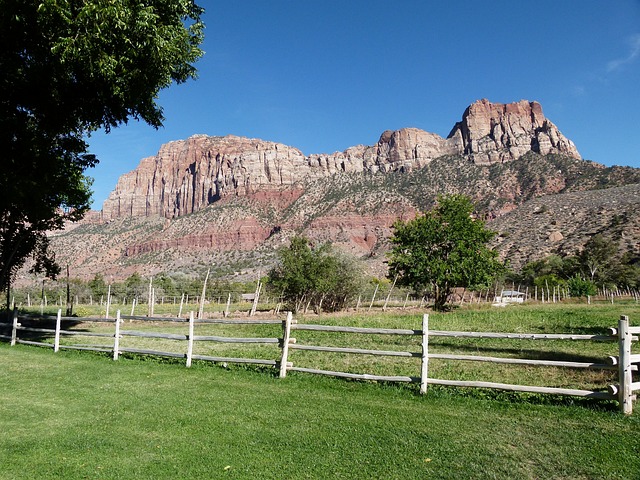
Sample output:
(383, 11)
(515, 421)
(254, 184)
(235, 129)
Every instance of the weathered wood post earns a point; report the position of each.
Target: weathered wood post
(386, 301)
(256, 298)
(228, 307)
(14, 330)
(56, 338)
(106, 315)
(116, 337)
(625, 397)
(190, 339)
(204, 294)
(286, 335)
(373, 298)
(424, 364)
(149, 297)
(181, 304)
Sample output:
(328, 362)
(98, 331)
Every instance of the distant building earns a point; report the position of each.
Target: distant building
(509, 296)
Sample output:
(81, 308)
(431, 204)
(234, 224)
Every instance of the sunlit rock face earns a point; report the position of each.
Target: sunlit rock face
(187, 175)
(495, 132)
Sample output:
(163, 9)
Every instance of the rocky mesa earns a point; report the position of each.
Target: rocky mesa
(231, 201)
(187, 175)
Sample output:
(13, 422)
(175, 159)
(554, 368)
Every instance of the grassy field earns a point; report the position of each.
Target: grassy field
(564, 319)
(81, 415)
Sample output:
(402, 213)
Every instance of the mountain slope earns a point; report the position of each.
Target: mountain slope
(356, 211)
(228, 203)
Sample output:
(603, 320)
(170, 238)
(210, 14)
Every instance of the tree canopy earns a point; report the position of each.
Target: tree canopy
(443, 249)
(319, 277)
(68, 68)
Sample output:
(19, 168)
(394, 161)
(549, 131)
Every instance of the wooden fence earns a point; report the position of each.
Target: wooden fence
(625, 362)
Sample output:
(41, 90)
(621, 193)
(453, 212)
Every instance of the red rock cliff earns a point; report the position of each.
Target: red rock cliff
(187, 175)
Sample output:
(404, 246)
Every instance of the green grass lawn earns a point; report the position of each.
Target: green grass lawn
(81, 415)
(572, 318)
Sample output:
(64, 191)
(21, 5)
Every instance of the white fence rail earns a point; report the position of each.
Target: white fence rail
(626, 363)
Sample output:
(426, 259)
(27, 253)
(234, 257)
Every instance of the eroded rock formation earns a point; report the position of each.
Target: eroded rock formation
(495, 132)
(187, 175)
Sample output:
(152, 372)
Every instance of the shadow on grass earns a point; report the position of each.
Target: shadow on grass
(46, 322)
(526, 354)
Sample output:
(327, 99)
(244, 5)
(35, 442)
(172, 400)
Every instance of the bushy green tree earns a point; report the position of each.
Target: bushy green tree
(135, 286)
(549, 280)
(443, 249)
(319, 277)
(68, 68)
(553, 268)
(98, 286)
(597, 257)
(164, 285)
(581, 287)
(627, 275)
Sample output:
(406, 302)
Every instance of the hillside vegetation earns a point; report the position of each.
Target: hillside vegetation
(538, 204)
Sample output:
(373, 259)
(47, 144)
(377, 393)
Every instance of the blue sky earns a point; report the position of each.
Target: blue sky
(325, 75)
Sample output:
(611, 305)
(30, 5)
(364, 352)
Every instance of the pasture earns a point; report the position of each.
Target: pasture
(81, 415)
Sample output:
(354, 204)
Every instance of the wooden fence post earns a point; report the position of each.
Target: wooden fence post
(386, 301)
(286, 328)
(56, 340)
(625, 397)
(226, 310)
(255, 299)
(373, 298)
(116, 337)
(181, 304)
(14, 330)
(190, 339)
(204, 295)
(424, 364)
(106, 315)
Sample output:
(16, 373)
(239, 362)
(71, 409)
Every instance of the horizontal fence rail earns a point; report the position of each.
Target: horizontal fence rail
(612, 363)
(625, 363)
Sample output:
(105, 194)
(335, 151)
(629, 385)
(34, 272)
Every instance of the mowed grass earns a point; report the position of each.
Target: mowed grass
(82, 415)
(539, 319)
(78, 415)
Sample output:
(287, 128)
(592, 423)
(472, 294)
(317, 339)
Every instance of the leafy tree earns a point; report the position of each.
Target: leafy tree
(549, 280)
(443, 249)
(320, 277)
(581, 287)
(98, 286)
(135, 286)
(552, 268)
(627, 275)
(69, 68)
(164, 285)
(597, 256)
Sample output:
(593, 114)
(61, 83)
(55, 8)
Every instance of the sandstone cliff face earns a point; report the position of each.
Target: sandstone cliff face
(494, 132)
(568, 201)
(186, 176)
